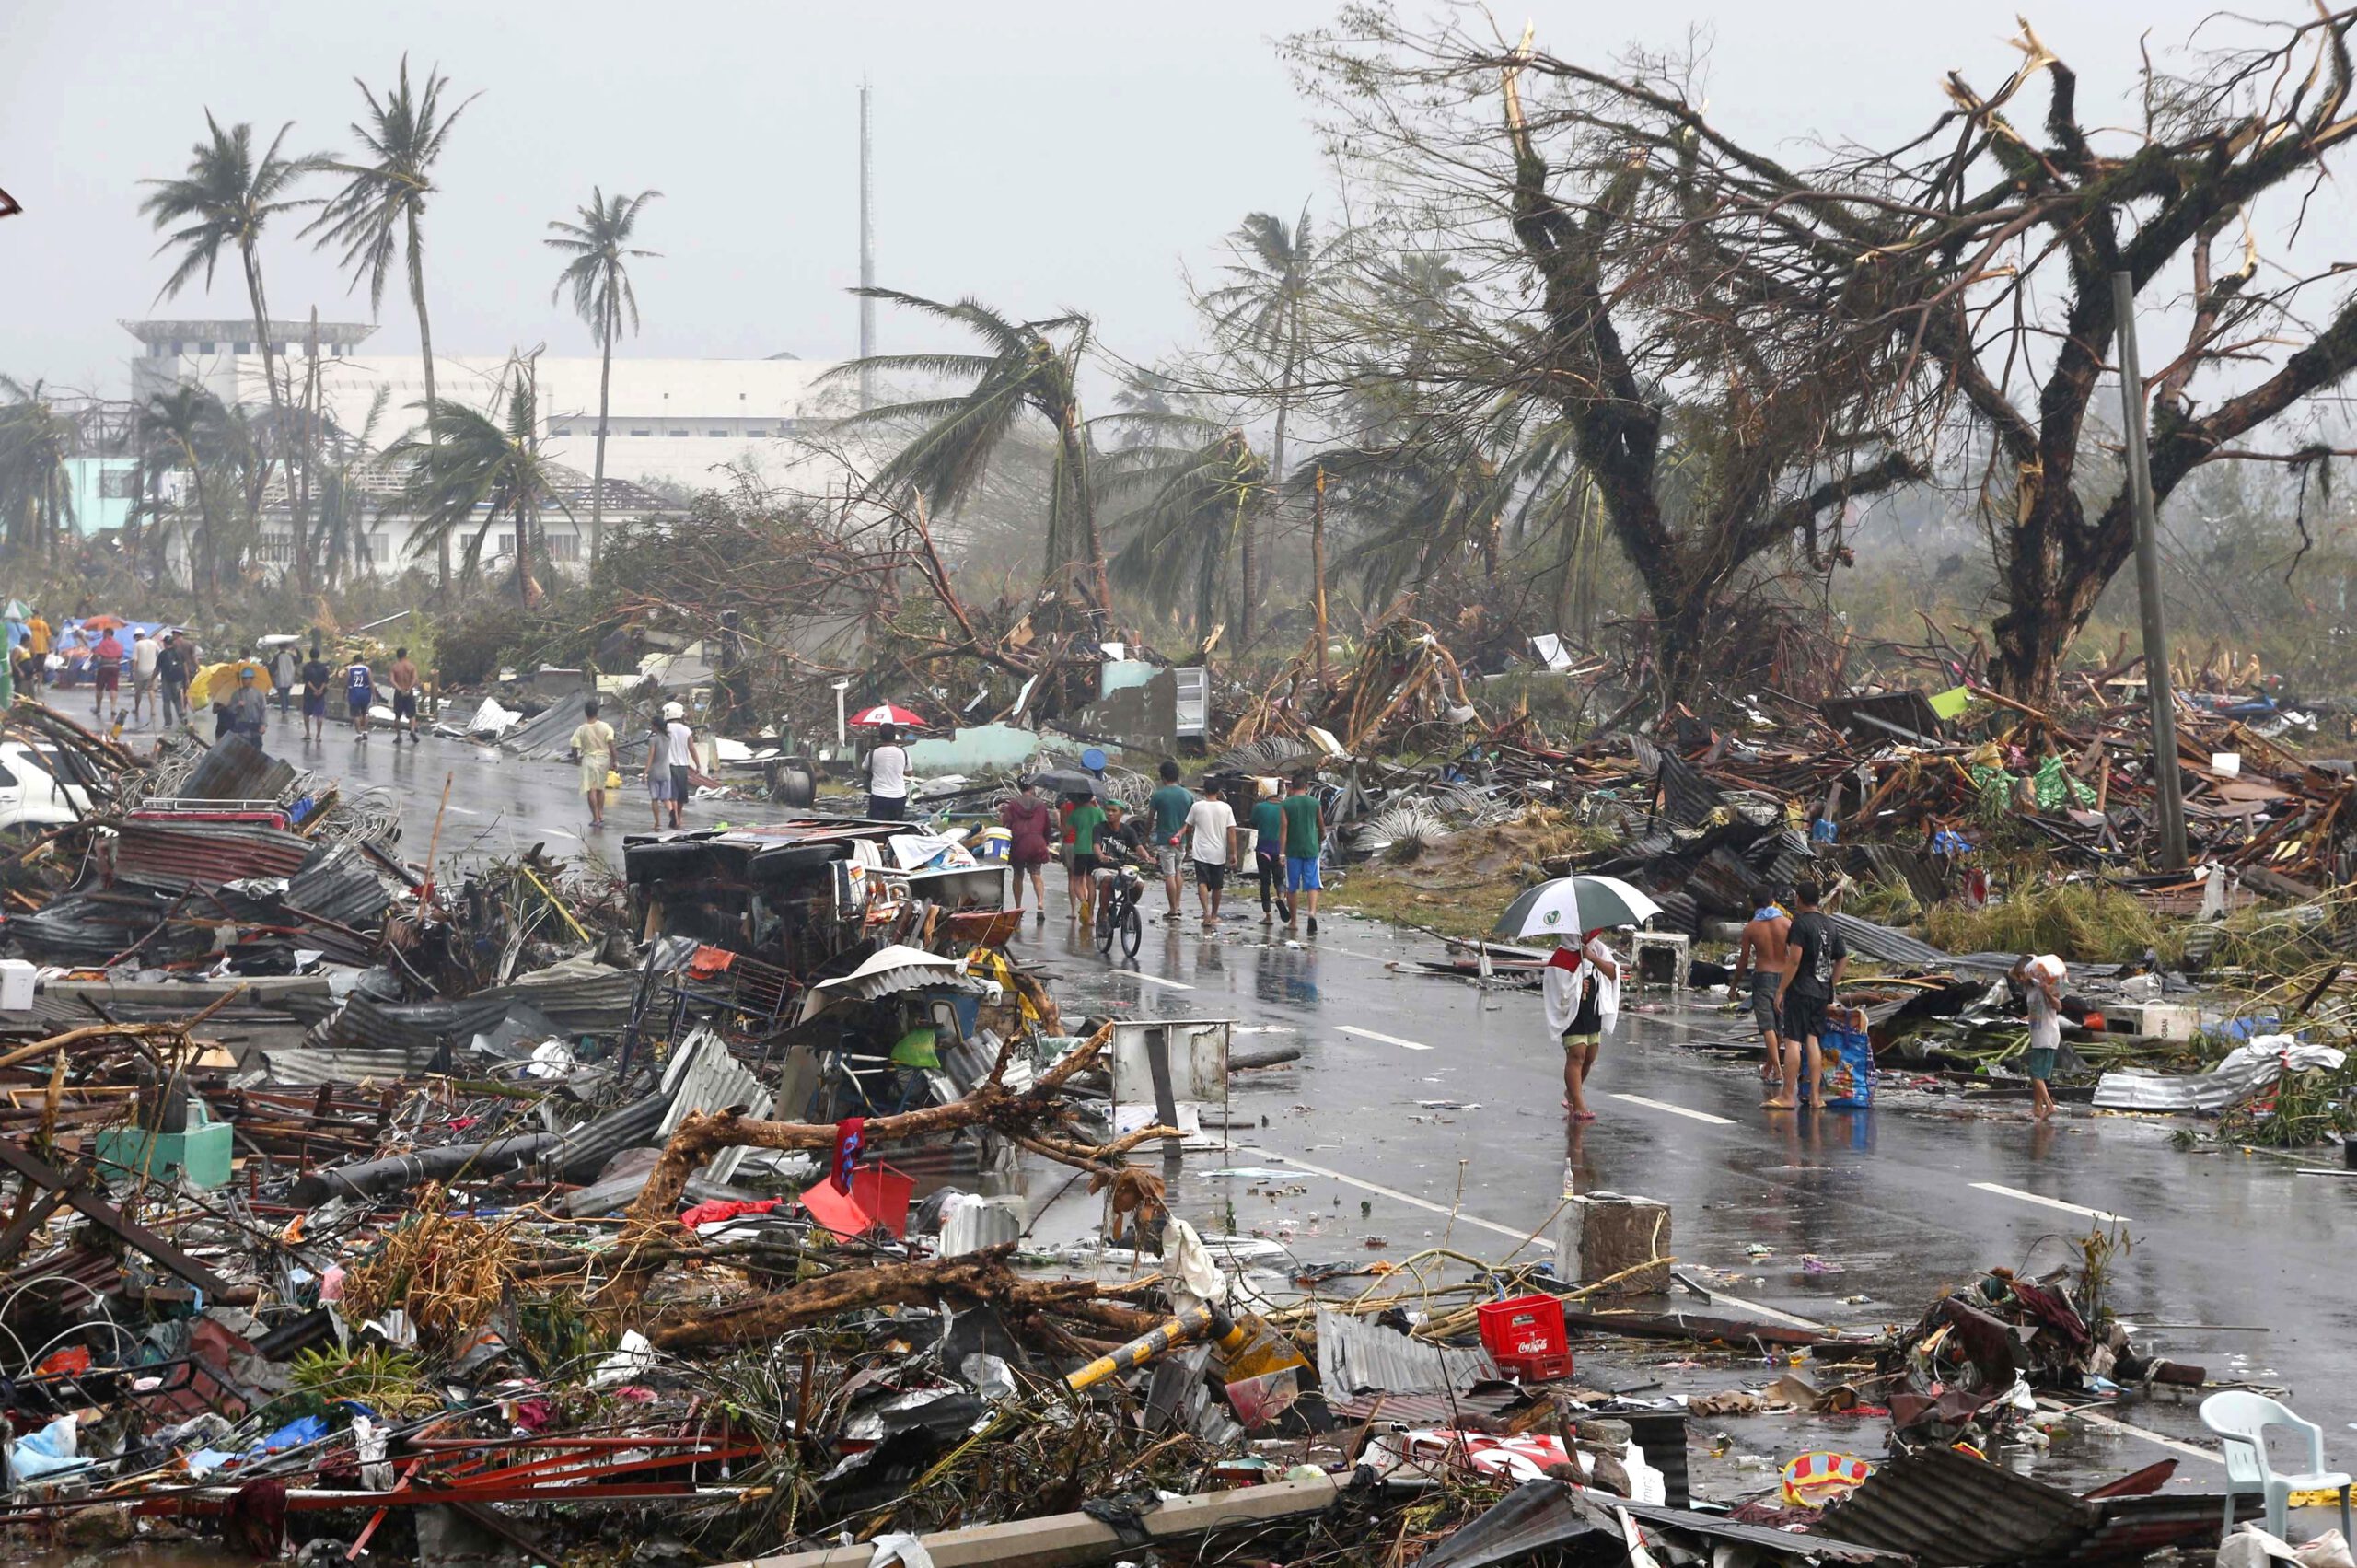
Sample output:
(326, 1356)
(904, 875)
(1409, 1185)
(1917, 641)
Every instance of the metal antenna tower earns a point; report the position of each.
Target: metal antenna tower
(867, 252)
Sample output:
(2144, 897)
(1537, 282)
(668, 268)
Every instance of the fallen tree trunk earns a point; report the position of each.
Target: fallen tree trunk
(1032, 1118)
(975, 1278)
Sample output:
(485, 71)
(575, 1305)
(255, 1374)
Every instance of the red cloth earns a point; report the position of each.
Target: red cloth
(720, 1209)
(851, 1135)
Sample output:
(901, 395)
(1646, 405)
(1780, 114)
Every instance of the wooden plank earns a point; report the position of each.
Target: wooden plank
(1068, 1540)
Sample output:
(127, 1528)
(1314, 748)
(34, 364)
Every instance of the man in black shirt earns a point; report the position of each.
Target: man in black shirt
(1815, 959)
(172, 675)
(316, 676)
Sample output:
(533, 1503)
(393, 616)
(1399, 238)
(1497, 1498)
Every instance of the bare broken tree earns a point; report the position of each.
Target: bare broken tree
(1996, 248)
(1831, 326)
(1719, 391)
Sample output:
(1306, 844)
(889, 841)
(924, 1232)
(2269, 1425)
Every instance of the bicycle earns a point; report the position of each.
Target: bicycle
(1116, 913)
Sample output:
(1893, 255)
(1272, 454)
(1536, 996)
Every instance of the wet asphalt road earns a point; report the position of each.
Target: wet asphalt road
(1917, 1193)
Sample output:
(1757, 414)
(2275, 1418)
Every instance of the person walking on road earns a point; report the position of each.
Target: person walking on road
(37, 639)
(679, 756)
(1759, 955)
(1029, 825)
(316, 676)
(285, 671)
(1303, 837)
(593, 744)
(2040, 979)
(172, 675)
(359, 694)
(1814, 960)
(106, 675)
(659, 768)
(249, 709)
(1211, 832)
(1582, 989)
(1083, 822)
(403, 675)
(887, 777)
(144, 652)
(1170, 804)
(1268, 825)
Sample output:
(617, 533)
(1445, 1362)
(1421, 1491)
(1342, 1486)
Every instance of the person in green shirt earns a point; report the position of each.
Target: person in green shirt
(1080, 834)
(1301, 841)
(1269, 854)
(1169, 805)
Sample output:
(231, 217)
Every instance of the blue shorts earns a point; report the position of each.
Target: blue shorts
(1301, 873)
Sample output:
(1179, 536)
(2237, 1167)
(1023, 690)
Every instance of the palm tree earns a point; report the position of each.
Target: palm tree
(36, 496)
(343, 495)
(186, 423)
(599, 245)
(1261, 318)
(228, 198)
(1032, 368)
(1199, 501)
(380, 208)
(468, 462)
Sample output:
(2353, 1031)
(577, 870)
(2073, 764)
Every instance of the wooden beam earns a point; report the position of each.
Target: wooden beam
(1069, 1540)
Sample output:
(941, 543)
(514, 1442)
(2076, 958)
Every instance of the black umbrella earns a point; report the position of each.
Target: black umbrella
(1068, 781)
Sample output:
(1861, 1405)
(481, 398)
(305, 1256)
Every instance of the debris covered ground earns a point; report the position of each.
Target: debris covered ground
(534, 1206)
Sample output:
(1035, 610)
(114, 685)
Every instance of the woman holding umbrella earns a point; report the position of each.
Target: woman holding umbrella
(1582, 984)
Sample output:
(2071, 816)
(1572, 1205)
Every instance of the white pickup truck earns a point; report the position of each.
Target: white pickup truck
(31, 799)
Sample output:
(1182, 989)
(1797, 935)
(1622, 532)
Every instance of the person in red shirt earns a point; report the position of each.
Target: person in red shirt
(106, 674)
(1027, 822)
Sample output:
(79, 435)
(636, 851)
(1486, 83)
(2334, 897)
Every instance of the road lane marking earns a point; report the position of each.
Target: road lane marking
(1678, 1109)
(2067, 1412)
(1394, 1194)
(2003, 1191)
(1388, 1039)
(1154, 980)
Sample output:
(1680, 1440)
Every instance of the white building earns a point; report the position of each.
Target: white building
(675, 421)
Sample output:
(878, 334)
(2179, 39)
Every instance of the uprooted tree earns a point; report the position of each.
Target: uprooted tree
(1836, 323)
(1720, 395)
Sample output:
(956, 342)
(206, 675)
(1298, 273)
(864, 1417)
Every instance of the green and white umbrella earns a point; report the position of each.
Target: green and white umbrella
(1570, 905)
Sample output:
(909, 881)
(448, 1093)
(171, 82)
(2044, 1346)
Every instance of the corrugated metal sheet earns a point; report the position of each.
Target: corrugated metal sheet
(235, 769)
(703, 1077)
(1422, 1410)
(348, 1063)
(1687, 797)
(340, 884)
(1949, 1510)
(579, 994)
(411, 1026)
(1355, 1354)
(1871, 941)
(206, 854)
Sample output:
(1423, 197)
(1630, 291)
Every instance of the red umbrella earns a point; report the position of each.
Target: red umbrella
(105, 623)
(885, 713)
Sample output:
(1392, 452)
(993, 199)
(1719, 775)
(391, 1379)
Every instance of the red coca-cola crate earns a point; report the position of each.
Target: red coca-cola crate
(1525, 1337)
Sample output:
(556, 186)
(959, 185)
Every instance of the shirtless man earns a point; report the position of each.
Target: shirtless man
(1760, 955)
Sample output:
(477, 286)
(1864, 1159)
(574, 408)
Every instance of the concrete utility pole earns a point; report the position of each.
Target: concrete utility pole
(866, 250)
(2148, 581)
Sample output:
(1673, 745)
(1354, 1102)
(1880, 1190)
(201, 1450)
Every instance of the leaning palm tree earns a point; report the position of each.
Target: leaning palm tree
(184, 428)
(598, 280)
(383, 200)
(1198, 503)
(1031, 367)
(468, 463)
(35, 494)
(1262, 318)
(228, 198)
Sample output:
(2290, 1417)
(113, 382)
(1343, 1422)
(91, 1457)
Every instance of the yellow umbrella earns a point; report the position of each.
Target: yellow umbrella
(216, 681)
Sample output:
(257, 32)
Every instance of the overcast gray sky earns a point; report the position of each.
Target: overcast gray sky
(1036, 154)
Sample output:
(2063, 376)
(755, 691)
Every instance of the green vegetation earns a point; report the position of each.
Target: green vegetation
(2080, 922)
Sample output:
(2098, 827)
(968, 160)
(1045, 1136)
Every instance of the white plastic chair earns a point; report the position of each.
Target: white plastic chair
(2242, 1419)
